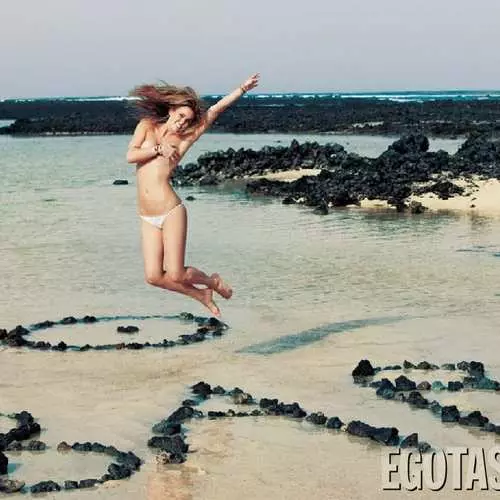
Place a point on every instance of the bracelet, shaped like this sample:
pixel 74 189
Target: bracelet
pixel 158 150
pixel 242 89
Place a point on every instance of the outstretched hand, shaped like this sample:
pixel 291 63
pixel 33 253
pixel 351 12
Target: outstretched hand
pixel 250 83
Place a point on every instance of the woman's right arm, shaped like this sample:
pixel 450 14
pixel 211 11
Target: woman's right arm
pixel 136 154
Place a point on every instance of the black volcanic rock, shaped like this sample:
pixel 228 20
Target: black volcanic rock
pixel 4 462
pixel 364 369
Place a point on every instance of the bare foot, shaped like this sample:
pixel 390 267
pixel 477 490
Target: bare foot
pixel 223 289
pixel 208 302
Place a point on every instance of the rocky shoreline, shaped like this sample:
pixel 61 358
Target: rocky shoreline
pixel 445 118
pixel 407 168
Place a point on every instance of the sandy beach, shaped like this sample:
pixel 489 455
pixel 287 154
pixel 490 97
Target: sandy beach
pixel 482 195
pixel 309 303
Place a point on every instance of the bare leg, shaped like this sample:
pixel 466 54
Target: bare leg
pixel 174 237
pixel 153 252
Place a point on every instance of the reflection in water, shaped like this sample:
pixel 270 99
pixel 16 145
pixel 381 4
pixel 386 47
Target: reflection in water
pixel 302 339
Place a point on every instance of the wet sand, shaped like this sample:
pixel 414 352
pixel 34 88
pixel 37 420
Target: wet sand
pixel 115 397
pixel 308 305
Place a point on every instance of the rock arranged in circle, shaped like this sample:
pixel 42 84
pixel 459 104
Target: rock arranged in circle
pixel 124 464
pixel 170 435
pixel 20 335
pixel 405 390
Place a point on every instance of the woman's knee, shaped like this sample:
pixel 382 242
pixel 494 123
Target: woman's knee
pixel 176 275
pixel 153 278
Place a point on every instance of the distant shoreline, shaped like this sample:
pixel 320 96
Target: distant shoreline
pixel 450 118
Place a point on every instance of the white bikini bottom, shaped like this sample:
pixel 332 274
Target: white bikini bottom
pixel 159 220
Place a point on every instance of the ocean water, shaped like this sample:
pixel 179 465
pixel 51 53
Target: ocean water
pixel 313 296
pixel 395 95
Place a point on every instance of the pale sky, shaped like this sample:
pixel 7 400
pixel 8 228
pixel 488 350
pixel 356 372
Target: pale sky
pixel 105 47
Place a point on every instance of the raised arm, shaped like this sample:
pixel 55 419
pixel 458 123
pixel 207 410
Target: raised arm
pixel 214 111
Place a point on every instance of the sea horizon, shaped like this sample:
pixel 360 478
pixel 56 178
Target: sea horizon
pixel 391 95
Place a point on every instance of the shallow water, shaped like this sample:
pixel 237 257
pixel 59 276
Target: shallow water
pixel 313 296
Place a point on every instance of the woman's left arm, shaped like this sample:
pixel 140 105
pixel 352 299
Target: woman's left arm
pixel 214 111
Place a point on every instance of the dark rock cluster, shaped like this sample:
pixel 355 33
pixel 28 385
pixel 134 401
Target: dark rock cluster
pixel 25 428
pixel 405 390
pixel 405 168
pixel 170 433
pixel 19 336
pixel 124 463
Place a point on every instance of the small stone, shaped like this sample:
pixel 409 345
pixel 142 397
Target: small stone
pixel 424 386
pixel 424 447
pixel 455 386
pixel 437 385
pixel 416 399
pixel 63 447
pixel 11 486
pixel 435 407
pixel 405 384
pixel 386 389
pixel 218 390
pixel 70 485
pixel 450 414
pixel 119 471
pixel 45 487
pixel 364 369
pixel 474 419
pixel 36 446
pixel 85 447
pixel 201 388
pixel 407 365
pixel 127 329
pixel 120 182
pixel 14 446
pixel 316 418
pixel 476 369
pixel 69 320
pixel 167 428
pixel 87 483
pixel 489 427
pixel 424 365
pixel 242 398
pixel 334 423
pixel 410 441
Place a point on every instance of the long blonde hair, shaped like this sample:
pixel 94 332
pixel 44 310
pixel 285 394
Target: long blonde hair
pixel 155 101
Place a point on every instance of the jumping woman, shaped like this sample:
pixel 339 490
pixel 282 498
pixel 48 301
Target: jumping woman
pixel 173 119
